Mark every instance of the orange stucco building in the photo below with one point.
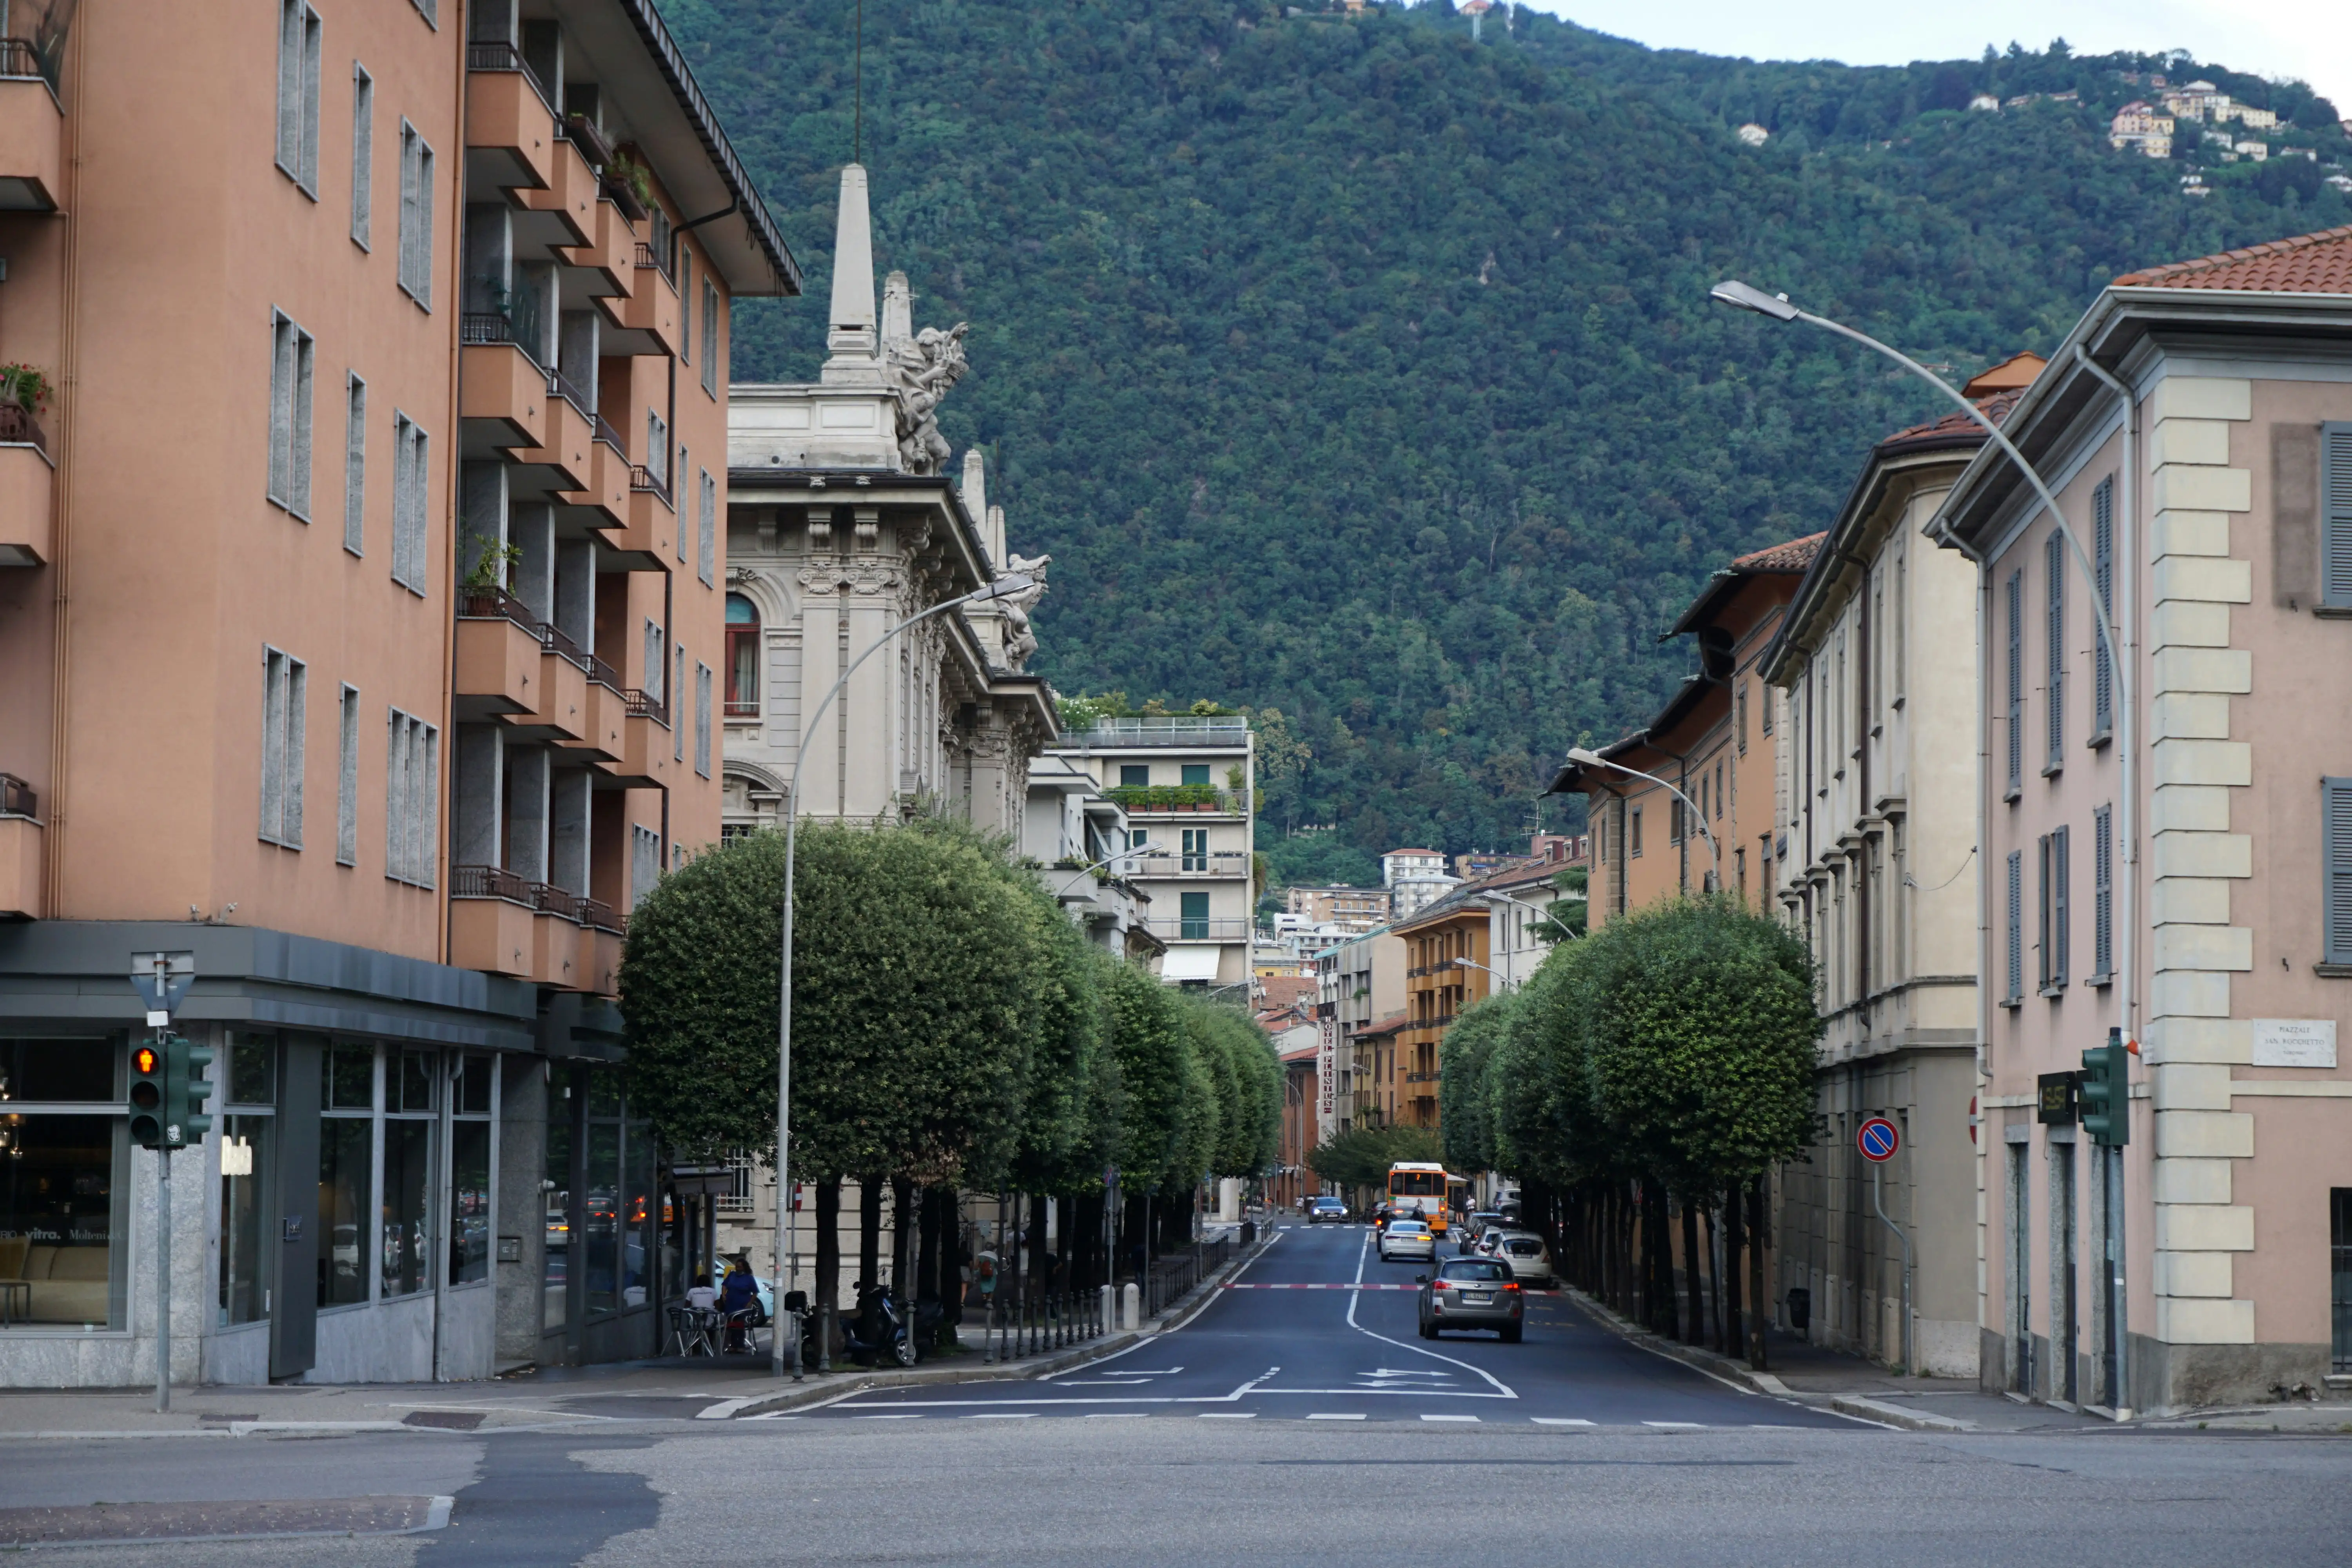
(361, 585)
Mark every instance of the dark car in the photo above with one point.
(1325, 1208)
(1473, 1293)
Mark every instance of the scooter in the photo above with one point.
(890, 1337)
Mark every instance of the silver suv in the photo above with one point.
(1473, 1293)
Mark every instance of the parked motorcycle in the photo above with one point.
(878, 1331)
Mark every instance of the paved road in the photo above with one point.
(1318, 1329)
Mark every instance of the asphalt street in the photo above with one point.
(1317, 1327)
(1296, 1420)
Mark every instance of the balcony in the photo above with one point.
(648, 755)
(1178, 800)
(605, 712)
(1224, 733)
(651, 527)
(646, 322)
(1216, 928)
(568, 198)
(20, 850)
(32, 129)
(27, 479)
(566, 451)
(500, 650)
(499, 384)
(490, 920)
(510, 137)
(605, 488)
(609, 250)
(1181, 867)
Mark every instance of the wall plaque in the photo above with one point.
(2294, 1042)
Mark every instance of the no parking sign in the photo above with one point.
(1877, 1139)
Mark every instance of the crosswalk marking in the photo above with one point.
(1228, 1415)
(1004, 1415)
(1677, 1426)
(1425, 1416)
(1358, 1417)
(1558, 1421)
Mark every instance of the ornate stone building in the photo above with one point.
(841, 525)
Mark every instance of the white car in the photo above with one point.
(1408, 1238)
(1524, 1251)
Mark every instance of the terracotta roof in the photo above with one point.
(1996, 408)
(1795, 555)
(2307, 264)
(1284, 991)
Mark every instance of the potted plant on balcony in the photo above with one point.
(629, 184)
(23, 392)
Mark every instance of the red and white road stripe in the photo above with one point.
(1344, 1285)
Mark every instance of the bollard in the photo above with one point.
(1109, 1323)
(1130, 1307)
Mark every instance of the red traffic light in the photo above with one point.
(144, 1060)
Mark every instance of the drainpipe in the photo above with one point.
(2127, 840)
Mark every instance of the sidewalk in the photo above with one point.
(668, 1388)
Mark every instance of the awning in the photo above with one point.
(1189, 963)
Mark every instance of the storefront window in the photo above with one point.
(245, 1147)
(600, 1216)
(637, 1186)
(555, 1192)
(346, 1169)
(64, 1164)
(407, 1234)
(470, 1169)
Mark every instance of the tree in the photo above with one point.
(1361, 1157)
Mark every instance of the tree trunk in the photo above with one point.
(869, 1231)
(1735, 1329)
(1756, 1242)
(1659, 1232)
(828, 1268)
(1718, 1262)
(927, 1260)
(903, 1223)
(1695, 1314)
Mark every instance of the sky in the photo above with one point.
(2307, 38)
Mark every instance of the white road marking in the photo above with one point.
(1004, 1416)
(1558, 1421)
(1116, 1415)
(1426, 1416)
(1358, 1416)
(1227, 1415)
(1363, 1256)
(1677, 1426)
(908, 1416)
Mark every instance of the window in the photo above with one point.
(653, 660)
(431, 11)
(2053, 552)
(1895, 675)
(244, 1132)
(1764, 709)
(706, 534)
(411, 798)
(473, 1107)
(611, 1210)
(347, 780)
(2013, 972)
(1675, 820)
(1193, 923)
(1718, 792)
(284, 686)
(677, 718)
(2336, 515)
(362, 152)
(2052, 917)
(1196, 774)
(2013, 603)
(1635, 852)
(702, 719)
(64, 1182)
(347, 1097)
(710, 336)
(1739, 702)
(411, 499)
(556, 1186)
(297, 94)
(292, 357)
(686, 516)
(415, 216)
(2336, 853)
(355, 465)
(1196, 849)
(656, 448)
(407, 1238)
(1134, 775)
(2103, 895)
(685, 306)
(644, 863)
(2103, 567)
(742, 658)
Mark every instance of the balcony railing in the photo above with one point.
(497, 882)
(17, 798)
(655, 260)
(584, 134)
(475, 327)
(505, 56)
(18, 428)
(497, 605)
(562, 386)
(1217, 864)
(603, 673)
(610, 436)
(489, 882)
(644, 478)
(1136, 798)
(742, 707)
(1421, 1078)
(37, 58)
(1173, 730)
(1211, 928)
(644, 707)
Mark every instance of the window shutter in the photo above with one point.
(2102, 892)
(2103, 546)
(2054, 550)
(2015, 594)
(298, 690)
(2016, 966)
(2336, 515)
(2335, 836)
(2061, 909)
(362, 153)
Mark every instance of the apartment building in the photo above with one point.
(1415, 878)
(1359, 1001)
(1713, 742)
(2168, 855)
(1187, 783)
(1352, 909)
(1075, 835)
(392, 710)
(1875, 796)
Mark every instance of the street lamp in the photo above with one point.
(1085, 871)
(1585, 757)
(1011, 583)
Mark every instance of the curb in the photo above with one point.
(1897, 1415)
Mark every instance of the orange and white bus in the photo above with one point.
(1419, 1188)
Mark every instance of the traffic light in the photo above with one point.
(147, 1097)
(2105, 1092)
(185, 1089)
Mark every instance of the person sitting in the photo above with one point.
(738, 1299)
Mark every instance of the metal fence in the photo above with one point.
(1032, 1322)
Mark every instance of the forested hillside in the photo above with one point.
(1351, 368)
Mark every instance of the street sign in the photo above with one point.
(1877, 1139)
(162, 980)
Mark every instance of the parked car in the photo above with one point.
(1525, 1252)
(1325, 1208)
(1476, 1225)
(1407, 1239)
(1473, 1293)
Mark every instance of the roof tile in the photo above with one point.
(2317, 263)
(1793, 555)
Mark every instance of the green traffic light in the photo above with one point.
(2105, 1092)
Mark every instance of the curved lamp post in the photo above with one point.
(1011, 582)
(1585, 757)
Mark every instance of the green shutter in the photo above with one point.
(2103, 546)
(2015, 595)
(2335, 856)
(2336, 515)
(2015, 976)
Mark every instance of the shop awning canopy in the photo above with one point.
(1189, 963)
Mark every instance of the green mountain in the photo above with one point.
(1351, 368)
